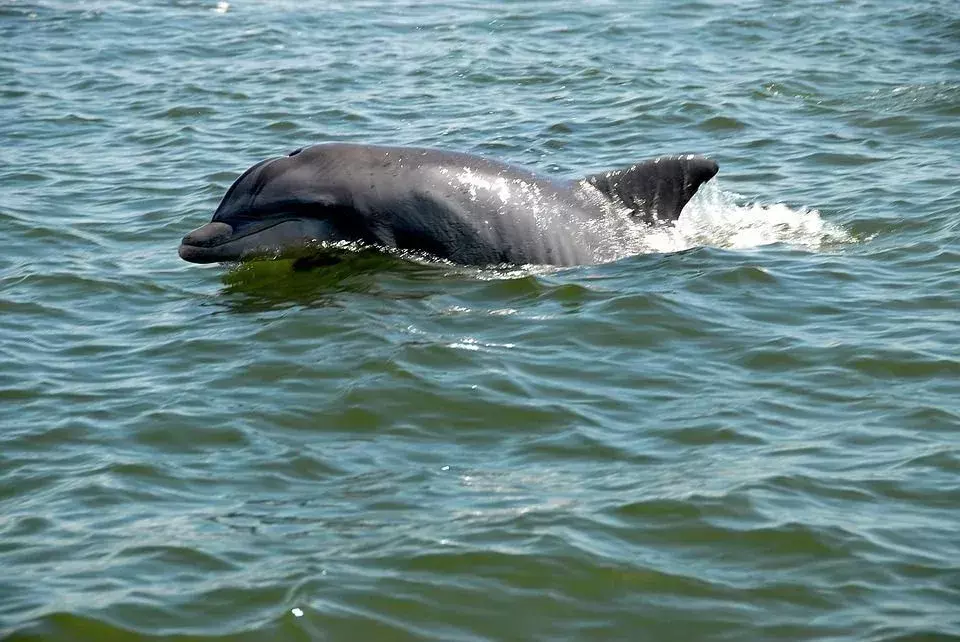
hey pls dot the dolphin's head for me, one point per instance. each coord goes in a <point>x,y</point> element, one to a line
<point>276,208</point>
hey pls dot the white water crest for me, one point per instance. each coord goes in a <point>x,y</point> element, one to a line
<point>718,218</point>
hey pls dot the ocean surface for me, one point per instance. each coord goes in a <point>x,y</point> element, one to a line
<point>747,430</point>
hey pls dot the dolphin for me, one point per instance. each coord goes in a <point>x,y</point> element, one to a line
<point>462,208</point>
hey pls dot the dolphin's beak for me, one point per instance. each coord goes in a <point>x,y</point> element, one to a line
<point>218,242</point>
<point>203,244</point>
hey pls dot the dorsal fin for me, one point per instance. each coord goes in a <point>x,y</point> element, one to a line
<point>657,189</point>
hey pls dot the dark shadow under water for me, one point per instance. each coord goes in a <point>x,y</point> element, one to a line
<point>322,279</point>
<point>318,279</point>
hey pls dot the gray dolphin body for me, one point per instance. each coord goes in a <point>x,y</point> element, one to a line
<point>462,208</point>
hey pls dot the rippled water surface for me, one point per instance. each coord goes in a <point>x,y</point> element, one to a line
<point>748,431</point>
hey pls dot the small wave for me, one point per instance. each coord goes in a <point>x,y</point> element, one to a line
<point>719,218</point>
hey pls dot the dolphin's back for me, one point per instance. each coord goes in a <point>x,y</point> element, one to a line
<point>459,207</point>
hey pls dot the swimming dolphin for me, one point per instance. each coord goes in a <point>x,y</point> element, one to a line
<point>459,207</point>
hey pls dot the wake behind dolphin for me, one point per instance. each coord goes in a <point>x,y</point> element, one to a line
<point>462,208</point>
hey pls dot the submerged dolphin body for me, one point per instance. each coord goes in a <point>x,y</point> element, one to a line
<point>462,208</point>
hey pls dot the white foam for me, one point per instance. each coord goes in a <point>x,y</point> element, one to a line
<point>717,218</point>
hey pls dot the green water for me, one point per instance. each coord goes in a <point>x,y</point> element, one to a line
<point>748,431</point>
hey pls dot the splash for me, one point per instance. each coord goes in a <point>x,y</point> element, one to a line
<point>718,218</point>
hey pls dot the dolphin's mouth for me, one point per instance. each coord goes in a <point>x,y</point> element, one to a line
<point>218,242</point>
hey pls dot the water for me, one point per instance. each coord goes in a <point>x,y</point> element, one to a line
<point>749,431</point>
